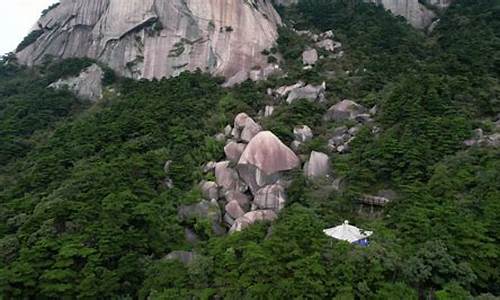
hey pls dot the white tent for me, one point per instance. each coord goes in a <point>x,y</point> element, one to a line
<point>346,232</point>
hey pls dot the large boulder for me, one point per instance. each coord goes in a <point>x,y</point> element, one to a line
<point>86,86</point>
<point>263,158</point>
<point>283,91</point>
<point>226,177</point>
<point>309,92</point>
<point>318,165</point>
<point>234,210</point>
<point>250,130</point>
<point>242,199</point>
<point>209,190</point>
<point>255,178</point>
<point>344,110</point>
<point>271,197</point>
<point>269,154</point>
<point>245,128</point>
<point>234,150</point>
<point>309,57</point>
<point>252,217</point>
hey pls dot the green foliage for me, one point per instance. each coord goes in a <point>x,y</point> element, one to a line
<point>29,39</point>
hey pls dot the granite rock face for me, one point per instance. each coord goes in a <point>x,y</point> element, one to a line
<point>159,38</point>
<point>87,85</point>
<point>317,166</point>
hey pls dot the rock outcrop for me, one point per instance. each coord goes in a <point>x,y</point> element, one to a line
<point>87,85</point>
<point>271,197</point>
<point>309,92</point>
<point>415,12</point>
<point>317,166</point>
<point>252,217</point>
<point>345,110</point>
<point>266,152</point>
<point>159,38</point>
<point>310,56</point>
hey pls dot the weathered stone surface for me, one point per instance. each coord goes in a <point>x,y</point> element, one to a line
<point>318,165</point>
<point>250,130</point>
<point>268,111</point>
<point>344,110</point>
<point>242,199</point>
<point>308,92</point>
<point>209,166</point>
<point>204,209</point>
<point>252,217</point>
<point>270,197</point>
<point>240,120</point>
<point>87,85</point>
<point>227,130</point>
<point>209,190</point>
<point>159,38</point>
<point>228,220</point>
<point>226,177</point>
<point>283,91</point>
<point>269,154</point>
<point>302,133</point>
<point>185,257</point>
<point>234,210</point>
<point>255,178</point>
<point>166,166</point>
<point>245,128</point>
<point>329,45</point>
<point>233,151</point>
<point>310,57</point>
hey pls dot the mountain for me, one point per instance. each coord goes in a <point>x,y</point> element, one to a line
<point>157,38</point>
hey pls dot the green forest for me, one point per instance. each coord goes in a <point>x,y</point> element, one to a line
<point>85,213</point>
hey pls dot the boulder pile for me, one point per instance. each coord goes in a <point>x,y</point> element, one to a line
<point>249,184</point>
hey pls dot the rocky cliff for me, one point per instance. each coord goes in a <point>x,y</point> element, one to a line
<point>158,38</point>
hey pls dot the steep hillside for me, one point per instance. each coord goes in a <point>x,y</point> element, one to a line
<point>182,189</point>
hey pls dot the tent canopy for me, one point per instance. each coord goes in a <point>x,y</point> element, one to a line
<point>346,232</point>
